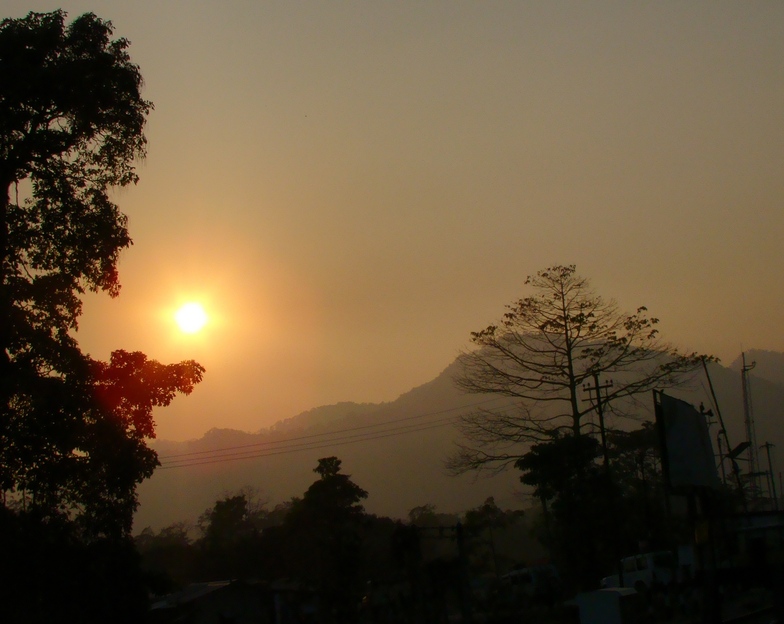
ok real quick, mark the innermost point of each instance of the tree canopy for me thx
(542, 352)
(333, 499)
(73, 430)
(324, 539)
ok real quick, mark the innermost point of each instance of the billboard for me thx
(687, 452)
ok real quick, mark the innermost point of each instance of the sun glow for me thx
(191, 318)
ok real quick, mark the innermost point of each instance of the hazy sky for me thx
(351, 188)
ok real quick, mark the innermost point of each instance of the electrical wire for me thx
(334, 432)
(313, 441)
(302, 447)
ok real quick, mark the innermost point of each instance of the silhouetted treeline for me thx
(355, 566)
(595, 505)
(325, 542)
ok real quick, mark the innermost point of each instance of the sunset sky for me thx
(351, 188)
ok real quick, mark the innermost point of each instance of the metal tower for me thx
(748, 419)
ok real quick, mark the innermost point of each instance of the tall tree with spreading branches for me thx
(546, 347)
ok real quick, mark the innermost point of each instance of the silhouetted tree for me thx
(544, 349)
(556, 467)
(591, 517)
(636, 456)
(226, 522)
(323, 530)
(483, 526)
(169, 557)
(71, 125)
(333, 498)
(579, 504)
(73, 430)
(231, 533)
(427, 516)
(637, 473)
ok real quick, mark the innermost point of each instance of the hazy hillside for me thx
(394, 450)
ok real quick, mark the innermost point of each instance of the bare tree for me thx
(542, 352)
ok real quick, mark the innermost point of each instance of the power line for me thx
(286, 443)
(312, 441)
(286, 446)
(335, 432)
(308, 446)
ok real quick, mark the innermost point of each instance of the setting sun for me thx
(191, 317)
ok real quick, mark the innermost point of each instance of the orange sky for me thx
(351, 188)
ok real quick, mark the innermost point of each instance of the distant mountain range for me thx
(396, 450)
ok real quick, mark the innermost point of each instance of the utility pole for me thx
(720, 433)
(597, 388)
(732, 453)
(771, 478)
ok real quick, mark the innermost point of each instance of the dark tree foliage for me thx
(556, 467)
(580, 506)
(482, 526)
(228, 521)
(636, 470)
(324, 533)
(231, 531)
(169, 558)
(636, 459)
(51, 575)
(71, 126)
(593, 513)
(73, 430)
(333, 497)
